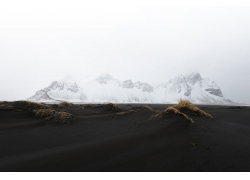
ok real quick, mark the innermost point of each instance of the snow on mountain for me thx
(193, 88)
(66, 90)
(105, 88)
(106, 79)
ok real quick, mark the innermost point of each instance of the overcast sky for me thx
(41, 43)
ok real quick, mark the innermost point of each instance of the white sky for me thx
(137, 40)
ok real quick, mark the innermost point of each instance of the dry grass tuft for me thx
(170, 110)
(65, 104)
(182, 105)
(31, 105)
(140, 108)
(147, 107)
(23, 106)
(58, 116)
(40, 110)
(90, 105)
(156, 116)
(186, 105)
(125, 113)
(6, 107)
(134, 110)
(114, 107)
(63, 117)
(44, 113)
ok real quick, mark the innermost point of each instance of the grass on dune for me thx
(125, 113)
(40, 110)
(114, 107)
(31, 105)
(186, 105)
(182, 106)
(148, 108)
(6, 107)
(133, 110)
(63, 117)
(23, 106)
(58, 116)
(143, 107)
(176, 111)
(90, 105)
(44, 113)
(65, 104)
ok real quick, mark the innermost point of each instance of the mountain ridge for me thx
(105, 88)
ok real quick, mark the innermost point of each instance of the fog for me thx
(40, 44)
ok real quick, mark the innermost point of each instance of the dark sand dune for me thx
(99, 140)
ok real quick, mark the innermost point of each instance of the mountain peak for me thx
(69, 78)
(105, 76)
(194, 77)
(195, 74)
(102, 79)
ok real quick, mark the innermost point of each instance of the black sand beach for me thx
(100, 140)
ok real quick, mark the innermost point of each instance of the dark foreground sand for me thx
(97, 141)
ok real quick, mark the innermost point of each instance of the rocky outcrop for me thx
(127, 84)
(216, 92)
(145, 87)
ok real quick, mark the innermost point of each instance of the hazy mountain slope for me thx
(105, 88)
(192, 87)
(65, 89)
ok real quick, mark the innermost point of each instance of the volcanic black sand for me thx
(97, 139)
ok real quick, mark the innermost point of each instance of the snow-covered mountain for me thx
(193, 88)
(105, 88)
(63, 90)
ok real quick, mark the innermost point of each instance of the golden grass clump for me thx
(63, 117)
(6, 107)
(44, 106)
(137, 108)
(176, 111)
(58, 116)
(114, 107)
(44, 113)
(133, 110)
(182, 105)
(147, 107)
(19, 106)
(90, 105)
(171, 110)
(65, 104)
(28, 105)
(125, 113)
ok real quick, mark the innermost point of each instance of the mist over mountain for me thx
(105, 88)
